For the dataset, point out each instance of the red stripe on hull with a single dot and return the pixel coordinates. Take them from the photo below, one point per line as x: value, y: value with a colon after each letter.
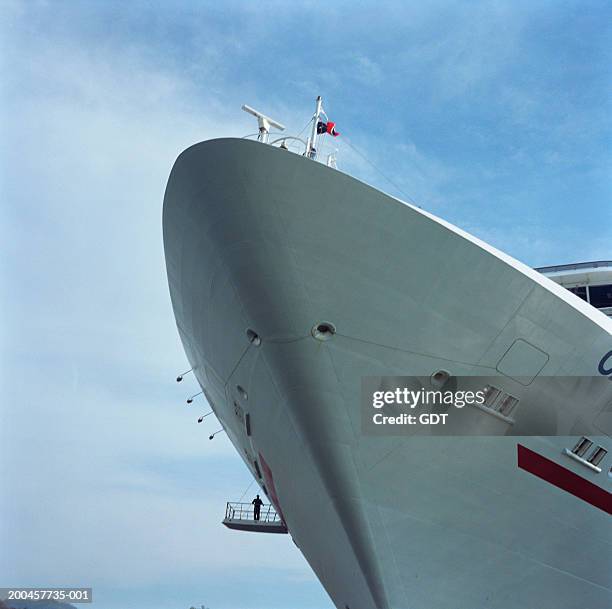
x: 563, y: 478
x: 269, y: 480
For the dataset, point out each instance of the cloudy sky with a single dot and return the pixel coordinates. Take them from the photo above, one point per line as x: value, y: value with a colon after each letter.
x: 494, y: 115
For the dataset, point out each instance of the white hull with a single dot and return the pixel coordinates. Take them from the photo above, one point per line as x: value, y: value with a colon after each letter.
x: 262, y: 239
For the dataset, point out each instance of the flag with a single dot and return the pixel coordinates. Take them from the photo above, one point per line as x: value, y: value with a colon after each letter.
x: 327, y: 127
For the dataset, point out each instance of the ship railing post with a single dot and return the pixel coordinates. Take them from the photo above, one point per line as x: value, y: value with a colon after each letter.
x: 331, y: 159
x: 312, y: 148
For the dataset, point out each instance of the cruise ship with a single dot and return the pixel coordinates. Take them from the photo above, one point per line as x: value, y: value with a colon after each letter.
x: 291, y: 281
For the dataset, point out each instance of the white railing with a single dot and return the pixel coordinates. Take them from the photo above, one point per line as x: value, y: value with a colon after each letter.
x: 246, y: 511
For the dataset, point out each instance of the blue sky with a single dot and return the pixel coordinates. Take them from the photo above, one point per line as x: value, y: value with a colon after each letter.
x: 495, y: 116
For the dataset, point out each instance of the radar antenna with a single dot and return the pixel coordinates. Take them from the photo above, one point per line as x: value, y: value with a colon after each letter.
x: 264, y: 122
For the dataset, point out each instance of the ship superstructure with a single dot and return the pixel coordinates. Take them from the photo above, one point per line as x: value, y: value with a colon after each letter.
x: 290, y: 281
x: 591, y: 281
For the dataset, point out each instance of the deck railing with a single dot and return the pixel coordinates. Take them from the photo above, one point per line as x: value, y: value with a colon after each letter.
x: 574, y: 267
x: 246, y: 511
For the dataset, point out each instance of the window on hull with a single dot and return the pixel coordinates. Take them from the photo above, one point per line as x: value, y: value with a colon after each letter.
x: 583, y: 445
x: 597, y: 455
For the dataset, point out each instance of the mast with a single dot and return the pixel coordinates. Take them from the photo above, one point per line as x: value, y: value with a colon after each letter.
x: 312, y: 142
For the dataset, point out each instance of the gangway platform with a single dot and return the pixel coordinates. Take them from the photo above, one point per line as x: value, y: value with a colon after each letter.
x: 241, y: 517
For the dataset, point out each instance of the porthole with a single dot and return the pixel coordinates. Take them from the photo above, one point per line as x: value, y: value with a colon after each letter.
x: 438, y: 379
x: 253, y: 337
x: 242, y: 393
x: 324, y: 330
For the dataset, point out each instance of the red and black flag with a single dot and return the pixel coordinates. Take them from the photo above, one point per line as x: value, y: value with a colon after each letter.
x: 327, y: 127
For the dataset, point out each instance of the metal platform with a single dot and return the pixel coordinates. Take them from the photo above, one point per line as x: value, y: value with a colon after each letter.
x: 240, y: 517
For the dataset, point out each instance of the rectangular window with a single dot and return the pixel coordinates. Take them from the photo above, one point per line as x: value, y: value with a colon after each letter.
x: 601, y: 295
x: 583, y: 445
x: 491, y: 395
x: 597, y: 455
x: 506, y: 405
x: 498, y: 401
